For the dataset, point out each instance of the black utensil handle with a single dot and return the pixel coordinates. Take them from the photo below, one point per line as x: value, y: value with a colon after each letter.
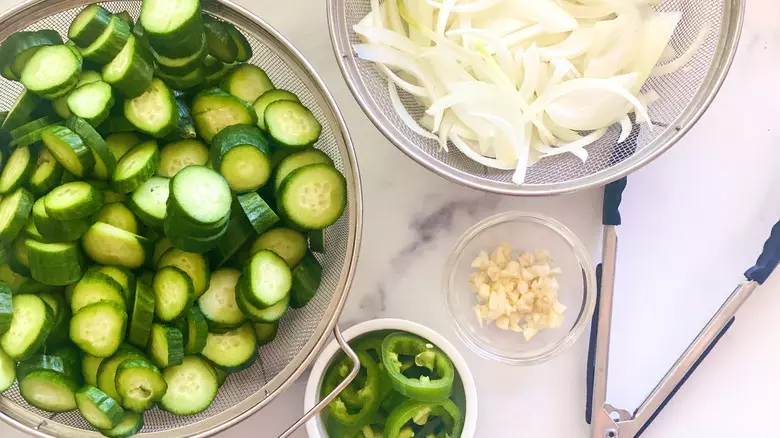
x: 613, y: 194
x: 594, y: 336
x: 768, y: 259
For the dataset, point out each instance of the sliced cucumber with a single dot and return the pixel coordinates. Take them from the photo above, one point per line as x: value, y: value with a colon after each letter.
x: 266, y: 332
x: 257, y: 211
x: 7, y: 371
x: 89, y: 368
x: 14, y: 213
x: 118, y: 215
x: 56, y: 230
x: 220, y: 42
x: 49, y: 391
x: 17, y: 170
x: 129, y: 72
x: 185, y: 129
x: 172, y: 27
x: 30, y: 127
x: 195, y: 330
x: 139, y: 384
x: 149, y: 201
x: 291, y: 124
x: 193, y: 264
x: 136, y: 167
x: 109, y: 245
x: 143, y: 313
x: 99, y: 328
x: 121, y: 143
x: 166, y: 346
x: 22, y: 110
x: 267, y: 279
x: 122, y: 276
x: 196, y: 186
x: 213, y: 110
x: 247, y: 82
x: 265, y: 99
x: 306, y: 279
x: 174, y: 293
x: 69, y: 149
x: 55, y: 264
x: 215, y: 70
x: 153, y: 112
x: 238, y: 232
x: 268, y: 315
x: 20, y: 260
x: 242, y: 155
x: 189, y: 243
x: 285, y: 242
x: 317, y: 241
x: 233, y: 351
x: 103, y: 49
x: 92, y: 102
x: 126, y: 17
x: 192, y: 386
x: 184, y: 82
x: 100, y: 410
x: 312, y: 197
x: 297, y: 160
x: 218, y: 303
x: 59, y: 332
x: 51, y: 72
x: 46, y: 175
x: 116, y: 124
x: 30, y: 325
x: 180, y: 154
x: 162, y: 245
x: 20, y: 46
x: 182, y: 66
x: 244, y: 48
x: 95, y: 287
x: 74, y: 200
x: 6, y: 307
x: 106, y: 375
x: 130, y: 424
x: 89, y: 24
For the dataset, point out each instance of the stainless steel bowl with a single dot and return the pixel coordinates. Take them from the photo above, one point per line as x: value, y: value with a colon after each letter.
x: 685, y: 95
x: 302, y: 332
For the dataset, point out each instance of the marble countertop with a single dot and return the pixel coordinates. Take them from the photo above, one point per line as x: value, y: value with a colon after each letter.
x: 694, y: 220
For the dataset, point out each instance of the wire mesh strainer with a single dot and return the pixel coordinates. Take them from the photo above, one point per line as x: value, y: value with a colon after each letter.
x: 685, y: 95
x: 302, y: 332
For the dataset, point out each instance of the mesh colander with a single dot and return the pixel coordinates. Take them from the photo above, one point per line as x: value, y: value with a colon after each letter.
x: 302, y: 332
x: 685, y: 95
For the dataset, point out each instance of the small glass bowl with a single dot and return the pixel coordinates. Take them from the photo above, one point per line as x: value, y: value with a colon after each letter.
x: 524, y: 232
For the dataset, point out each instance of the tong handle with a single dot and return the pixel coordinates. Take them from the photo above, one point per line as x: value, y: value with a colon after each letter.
x: 613, y: 195
x: 594, y: 336
x: 768, y: 259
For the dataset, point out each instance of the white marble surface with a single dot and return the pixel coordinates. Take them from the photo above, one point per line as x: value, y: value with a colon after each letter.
x: 694, y: 220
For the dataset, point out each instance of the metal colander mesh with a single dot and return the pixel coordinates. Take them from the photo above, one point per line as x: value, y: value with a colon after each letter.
x: 302, y: 331
x: 684, y: 95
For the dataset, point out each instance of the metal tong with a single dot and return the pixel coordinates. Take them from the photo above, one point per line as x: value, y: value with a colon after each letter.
x: 609, y: 422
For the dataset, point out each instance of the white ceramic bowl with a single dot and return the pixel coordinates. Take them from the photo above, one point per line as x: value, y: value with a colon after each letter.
x: 316, y: 428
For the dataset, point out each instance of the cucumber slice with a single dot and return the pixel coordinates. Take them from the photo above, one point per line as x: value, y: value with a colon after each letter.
x: 149, y: 200
x: 33, y: 126
x: 106, y: 375
x: 46, y: 175
x: 268, y: 315
x: 238, y: 232
x: 143, y: 313
x: 55, y: 264
x: 265, y: 99
x: 189, y: 243
x: 126, y: 17
x: 306, y: 279
x: 267, y: 279
x: 182, y: 66
x: 30, y: 325
x: 291, y: 124
x: 233, y: 351
x: 137, y: 166
x: 109, y: 43
x: 17, y: 170
x: 95, y: 287
x: 215, y: 70
x: 162, y: 245
x: 182, y: 226
x: 192, y: 386
x: 14, y: 213
x: 129, y: 72
x: 172, y: 27
x: 91, y: 102
x: 257, y: 211
x: 74, y: 200
x: 220, y: 42
x: 56, y: 230
x: 241, y: 154
x: 116, y: 124
x: 213, y: 110
x: 185, y: 129
x: 121, y: 143
x: 118, y: 215
x: 6, y: 307
x: 317, y: 241
x: 21, y: 112
x: 29, y: 139
x: 99, y: 328
x: 218, y: 303
x: 69, y: 149
x: 19, y: 262
x: 17, y: 50
x: 247, y: 82
x: 100, y: 410
x: 7, y: 371
x: 196, y: 186
x: 105, y: 163
x: 89, y: 368
x: 109, y: 245
x: 139, y: 384
x: 166, y: 346
x: 130, y: 424
x: 184, y: 82
x: 48, y: 391
x: 244, y: 48
x: 67, y: 367
x: 59, y: 331
x: 297, y: 160
x: 89, y: 24
x: 266, y: 332
x: 123, y: 277
x: 195, y: 329
x: 312, y: 197
x: 180, y: 154
x: 153, y: 112
x: 193, y: 264
x: 285, y: 242
x: 51, y: 72
x: 174, y: 293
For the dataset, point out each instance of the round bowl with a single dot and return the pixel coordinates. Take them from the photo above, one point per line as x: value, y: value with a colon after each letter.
x: 523, y: 232
x: 316, y: 427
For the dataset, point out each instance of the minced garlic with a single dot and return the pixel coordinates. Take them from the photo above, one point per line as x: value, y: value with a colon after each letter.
x: 517, y: 293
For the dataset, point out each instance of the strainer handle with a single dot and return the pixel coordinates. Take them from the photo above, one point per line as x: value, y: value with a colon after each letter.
x: 324, y: 402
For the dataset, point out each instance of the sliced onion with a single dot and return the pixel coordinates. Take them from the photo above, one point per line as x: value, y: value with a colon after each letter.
x: 404, y: 115
x: 625, y: 128
x: 471, y: 154
x: 686, y: 57
x: 576, y: 44
x: 476, y: 6
x: 376, y: 35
